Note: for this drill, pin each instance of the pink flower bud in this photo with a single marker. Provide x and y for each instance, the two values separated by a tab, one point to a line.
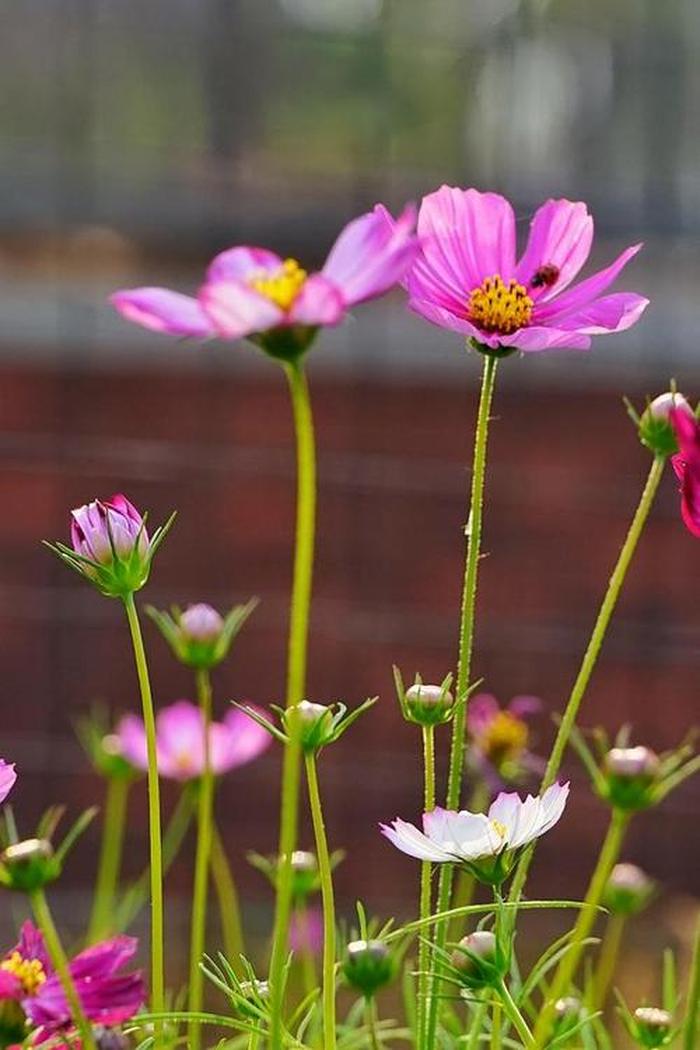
102	529
630	763
201	623
661	406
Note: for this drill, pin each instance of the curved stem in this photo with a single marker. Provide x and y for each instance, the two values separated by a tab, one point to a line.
326	877
203	854
466	641
296	682
515	1017
593	651
154	829
690	1028
45	922
111	848
566	970
607	960
229	905
425	874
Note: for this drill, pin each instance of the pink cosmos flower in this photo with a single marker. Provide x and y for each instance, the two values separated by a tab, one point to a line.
180	741
103	527
468	278
255	293
7	779
687	465
107	998
499	737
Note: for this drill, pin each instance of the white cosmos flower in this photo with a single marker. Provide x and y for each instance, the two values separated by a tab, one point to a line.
461	837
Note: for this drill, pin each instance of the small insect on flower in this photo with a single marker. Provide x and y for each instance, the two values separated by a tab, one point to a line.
484	844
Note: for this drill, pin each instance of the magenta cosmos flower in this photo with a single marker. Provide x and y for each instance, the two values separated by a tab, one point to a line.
687	465
180	741
7	779
107	997
467	276
254	293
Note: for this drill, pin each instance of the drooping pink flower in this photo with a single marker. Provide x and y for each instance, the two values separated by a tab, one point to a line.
7	779
468	278
180	741
499	737
252	292
687	466
107	997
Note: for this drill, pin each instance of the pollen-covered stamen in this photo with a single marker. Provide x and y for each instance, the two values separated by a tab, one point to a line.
281	287
499	307
500	829
29	972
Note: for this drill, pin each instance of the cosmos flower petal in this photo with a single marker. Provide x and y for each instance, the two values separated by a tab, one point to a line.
505	809
583	293
161	310
372	254
561	234
410	840
610	313
318	302
104	958
247	739
236	310
686	464
7	779
553	804
132	741
445	318
242	264
540	337
481	711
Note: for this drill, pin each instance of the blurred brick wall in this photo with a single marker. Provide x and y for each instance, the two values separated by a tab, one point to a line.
565	472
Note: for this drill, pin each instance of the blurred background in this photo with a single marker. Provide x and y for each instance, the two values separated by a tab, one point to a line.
138	139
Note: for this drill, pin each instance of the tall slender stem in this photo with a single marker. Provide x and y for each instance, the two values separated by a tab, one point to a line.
229	905
496	1033
201	871
425	875
587	916
515	1017
592	652
607	960
372	1023
692	1019
466	641
111	848
154	829
477	1022
326	877
45	922
296	683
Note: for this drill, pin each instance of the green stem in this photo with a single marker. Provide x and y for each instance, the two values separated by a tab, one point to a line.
229	905
607	960
326	877
154	829
593	651
690	1028
425	875
296	683
136	895
203	854
568	966
45	922
496	1026
111	848
466	641
477	1022
515	1017
372	1026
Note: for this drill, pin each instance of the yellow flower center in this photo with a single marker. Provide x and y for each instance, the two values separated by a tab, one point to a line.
282	287
505	738
499	828
29	972
499	307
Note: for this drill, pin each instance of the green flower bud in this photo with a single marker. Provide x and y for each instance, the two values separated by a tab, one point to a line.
429	705
314	722
27	866
628	890
368	965
655	429
630	774
652	1026
253	997
478	961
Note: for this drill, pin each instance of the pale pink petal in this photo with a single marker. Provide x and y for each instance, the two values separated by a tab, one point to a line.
318	302
410	840
180	734
372	254
561	234
236	310
582	294
611	313
132	741
465	236
7	779
161	310
240	264
247	739
553	804
540	337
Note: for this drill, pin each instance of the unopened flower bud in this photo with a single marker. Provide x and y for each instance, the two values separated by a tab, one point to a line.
428	704
254	992
313	721
568	1007
655	426
200	637
368	965
477	959
631	771
201	623
628	890
28	865
305	877
652	1026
